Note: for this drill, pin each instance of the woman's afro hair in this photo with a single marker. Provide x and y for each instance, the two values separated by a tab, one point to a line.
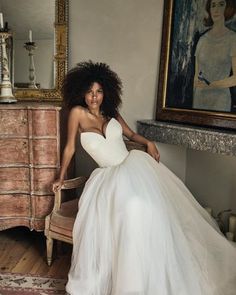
79	80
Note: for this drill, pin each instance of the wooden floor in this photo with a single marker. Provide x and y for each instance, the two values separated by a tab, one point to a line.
24	252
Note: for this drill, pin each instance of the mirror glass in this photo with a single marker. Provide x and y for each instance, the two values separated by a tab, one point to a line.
31	19
37	47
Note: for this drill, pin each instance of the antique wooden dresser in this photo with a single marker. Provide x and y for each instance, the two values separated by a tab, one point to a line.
29	162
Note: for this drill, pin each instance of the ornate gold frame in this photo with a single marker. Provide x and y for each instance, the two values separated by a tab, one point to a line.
60	58
175	114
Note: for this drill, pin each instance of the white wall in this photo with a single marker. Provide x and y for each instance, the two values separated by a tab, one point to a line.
211	178
127	35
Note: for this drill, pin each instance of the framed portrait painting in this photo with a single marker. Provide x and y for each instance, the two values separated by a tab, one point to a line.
197	75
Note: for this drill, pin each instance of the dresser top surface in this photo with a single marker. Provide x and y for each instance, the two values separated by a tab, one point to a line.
30	105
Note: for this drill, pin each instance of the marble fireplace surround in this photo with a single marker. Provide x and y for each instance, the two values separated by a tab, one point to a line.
193	137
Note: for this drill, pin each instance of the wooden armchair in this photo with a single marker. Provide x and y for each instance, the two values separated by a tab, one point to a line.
59	223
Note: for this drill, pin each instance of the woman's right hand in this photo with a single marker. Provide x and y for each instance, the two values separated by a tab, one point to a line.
57	185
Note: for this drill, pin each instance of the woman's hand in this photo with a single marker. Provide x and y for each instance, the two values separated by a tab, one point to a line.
57	185
153	151
201	84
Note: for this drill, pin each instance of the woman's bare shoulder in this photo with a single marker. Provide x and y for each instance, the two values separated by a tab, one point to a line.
79	109
78	114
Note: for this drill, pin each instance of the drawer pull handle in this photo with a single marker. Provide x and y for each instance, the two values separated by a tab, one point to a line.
24	120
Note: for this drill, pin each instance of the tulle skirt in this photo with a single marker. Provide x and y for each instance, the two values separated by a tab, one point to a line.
139	231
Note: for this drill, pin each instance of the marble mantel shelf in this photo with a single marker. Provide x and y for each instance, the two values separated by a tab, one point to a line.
194	137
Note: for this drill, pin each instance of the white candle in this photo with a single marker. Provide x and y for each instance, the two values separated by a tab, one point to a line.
1	20
232	223
30	35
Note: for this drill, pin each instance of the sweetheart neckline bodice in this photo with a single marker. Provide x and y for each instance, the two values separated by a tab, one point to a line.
104	134
108	150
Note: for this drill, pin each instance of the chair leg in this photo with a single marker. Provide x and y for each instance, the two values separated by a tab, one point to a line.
49	243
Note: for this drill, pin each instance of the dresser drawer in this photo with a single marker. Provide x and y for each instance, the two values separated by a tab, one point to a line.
15	205
14	180
45	152
14	151
42	180
41	205
13	122
44	123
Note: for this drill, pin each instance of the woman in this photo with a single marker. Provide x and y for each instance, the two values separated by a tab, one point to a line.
215	59
139	231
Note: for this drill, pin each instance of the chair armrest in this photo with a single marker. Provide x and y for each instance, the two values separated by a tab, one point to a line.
74	182
132	145
68	184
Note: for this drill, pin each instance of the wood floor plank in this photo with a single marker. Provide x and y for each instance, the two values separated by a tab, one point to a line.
9	259
40	267
27	261
22	251
60	267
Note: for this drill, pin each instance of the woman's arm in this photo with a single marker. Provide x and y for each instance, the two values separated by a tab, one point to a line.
224	83
73	124
229	81
199	83
131	135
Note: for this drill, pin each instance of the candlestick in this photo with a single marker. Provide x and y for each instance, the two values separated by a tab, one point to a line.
30	35
1	20
30	47
6	95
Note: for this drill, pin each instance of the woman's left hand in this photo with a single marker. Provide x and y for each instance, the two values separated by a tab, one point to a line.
153	151
201	85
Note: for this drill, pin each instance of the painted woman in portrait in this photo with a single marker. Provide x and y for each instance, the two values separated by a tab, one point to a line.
215	59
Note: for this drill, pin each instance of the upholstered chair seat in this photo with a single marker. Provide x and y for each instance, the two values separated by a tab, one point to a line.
63	220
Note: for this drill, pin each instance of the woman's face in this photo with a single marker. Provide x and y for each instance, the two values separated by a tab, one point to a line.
94	96
217	10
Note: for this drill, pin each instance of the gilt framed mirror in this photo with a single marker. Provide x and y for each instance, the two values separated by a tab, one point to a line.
44	23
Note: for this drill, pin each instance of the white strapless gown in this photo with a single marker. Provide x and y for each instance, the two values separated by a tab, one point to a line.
139	231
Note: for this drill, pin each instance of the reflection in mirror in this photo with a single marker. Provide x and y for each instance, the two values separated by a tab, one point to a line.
48	21
24	16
